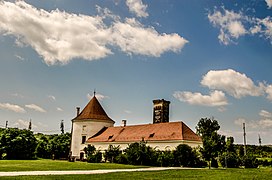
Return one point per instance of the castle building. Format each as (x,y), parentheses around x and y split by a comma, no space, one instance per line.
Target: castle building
(93,126)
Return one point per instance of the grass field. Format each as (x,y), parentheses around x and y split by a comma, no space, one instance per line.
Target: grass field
(264,173)
(43,165)
(47,164)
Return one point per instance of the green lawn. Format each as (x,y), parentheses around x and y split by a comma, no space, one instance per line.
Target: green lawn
(47,164)
(263,173)
(43,165)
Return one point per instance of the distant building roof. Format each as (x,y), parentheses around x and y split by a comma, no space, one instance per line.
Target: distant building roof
(148,132)
(93,110)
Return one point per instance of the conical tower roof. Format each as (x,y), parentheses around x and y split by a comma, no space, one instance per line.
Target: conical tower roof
(93,110)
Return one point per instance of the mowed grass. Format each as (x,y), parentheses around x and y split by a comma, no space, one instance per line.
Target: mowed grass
(57,165)
(233,174)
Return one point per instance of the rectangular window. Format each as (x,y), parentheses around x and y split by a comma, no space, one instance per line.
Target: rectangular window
(83,139)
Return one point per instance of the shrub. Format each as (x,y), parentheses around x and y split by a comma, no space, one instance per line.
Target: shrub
(232,160)
(249,161)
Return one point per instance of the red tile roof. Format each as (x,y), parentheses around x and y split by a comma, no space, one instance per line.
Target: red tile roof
(148,132)
(93,110)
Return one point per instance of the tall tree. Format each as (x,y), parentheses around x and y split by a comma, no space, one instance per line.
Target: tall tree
(212,142)
(62,127)
(29,125)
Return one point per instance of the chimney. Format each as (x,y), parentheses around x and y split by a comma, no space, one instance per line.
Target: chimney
(124,123)
(78,110)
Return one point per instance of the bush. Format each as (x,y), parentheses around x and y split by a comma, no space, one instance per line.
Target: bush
(165,158)
(214,163)
(122,159)
(185,156)
(112,153)
(249,161)
(232,160)
(93,156)
(140,154)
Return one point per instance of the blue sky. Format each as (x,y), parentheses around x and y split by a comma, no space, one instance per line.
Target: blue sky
(209,58)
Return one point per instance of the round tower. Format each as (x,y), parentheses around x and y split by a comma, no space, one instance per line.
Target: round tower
(87,123)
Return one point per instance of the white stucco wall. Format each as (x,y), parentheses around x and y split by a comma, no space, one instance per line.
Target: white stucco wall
(86,128)
(158,145)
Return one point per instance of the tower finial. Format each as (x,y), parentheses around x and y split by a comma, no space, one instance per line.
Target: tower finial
(94,93)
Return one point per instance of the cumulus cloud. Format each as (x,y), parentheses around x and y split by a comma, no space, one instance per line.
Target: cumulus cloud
(35,108)
(233,25)
(59,37)
(12,107)
(133,38)
(137,7)
(229,23)
(269,3)
(59,109)
(265,121)
(269,92)
(216,98)
(266,114)
(100,97)
(234,83)
(24,124)
(53,98)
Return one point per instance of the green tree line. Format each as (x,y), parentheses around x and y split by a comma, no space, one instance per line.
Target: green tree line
(23,144)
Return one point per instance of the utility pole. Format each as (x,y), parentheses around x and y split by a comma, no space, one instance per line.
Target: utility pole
(260,140)
(244,128)
(6,124)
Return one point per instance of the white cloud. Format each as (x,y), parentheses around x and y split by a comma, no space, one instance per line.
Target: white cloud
(234,83)
(12,107)
(229,23)
(268,90)
(19,57)
(17,95)
(269,3)
(35,108)
(137,7)
(266,25)
(216,98)
(23,124)
(265,123)
(266,114)
(236,29)
(59,109)
(53,98)
(58,37)
(232,25)
(133,38)
(100,97)
(128,111)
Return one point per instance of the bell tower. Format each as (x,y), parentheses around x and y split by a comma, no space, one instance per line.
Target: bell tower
(160,111)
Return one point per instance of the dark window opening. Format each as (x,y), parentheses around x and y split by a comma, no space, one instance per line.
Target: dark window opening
(83,140)
(152,135)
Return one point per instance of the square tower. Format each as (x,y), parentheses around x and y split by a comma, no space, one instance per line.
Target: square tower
(160,111)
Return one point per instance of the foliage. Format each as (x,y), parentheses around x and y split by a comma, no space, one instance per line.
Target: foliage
(249,161)
(140,154)
(17,144)
(42,149)
(213,143)
(166,158)
(59,145)
(93,156)
(185,156)
(112,153)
